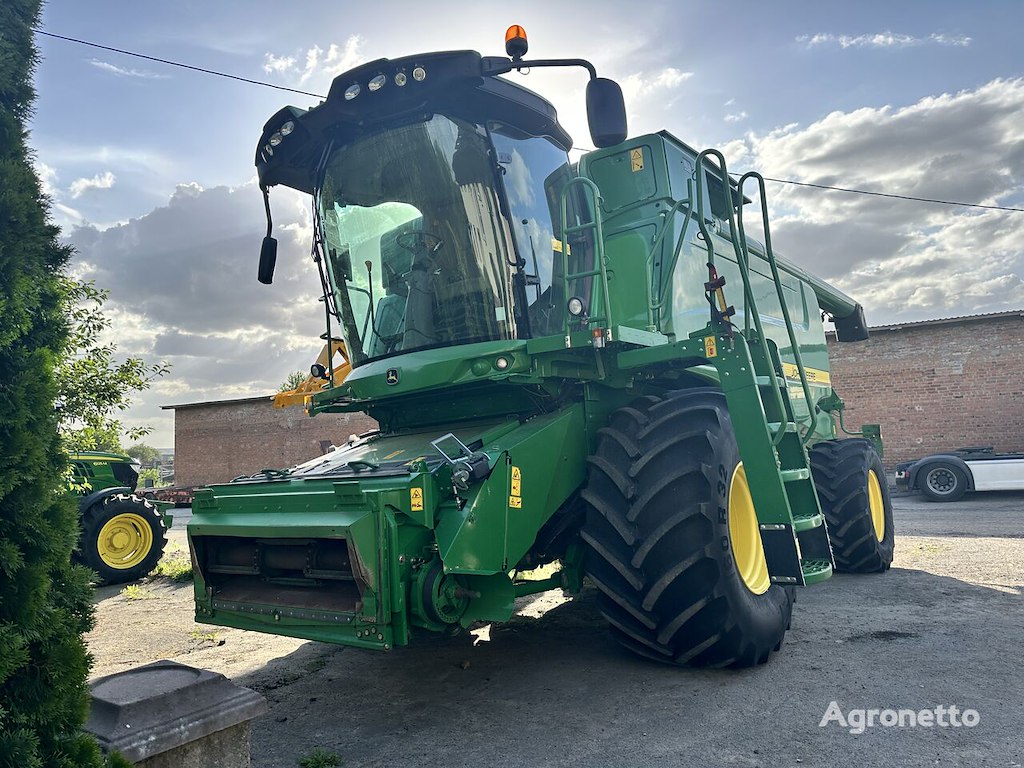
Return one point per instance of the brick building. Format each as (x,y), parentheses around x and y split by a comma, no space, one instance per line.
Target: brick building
(938,384)
(222,439)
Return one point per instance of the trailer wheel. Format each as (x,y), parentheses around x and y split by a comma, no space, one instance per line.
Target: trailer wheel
(941,481)
(123,538)
(854,497)
(674,546)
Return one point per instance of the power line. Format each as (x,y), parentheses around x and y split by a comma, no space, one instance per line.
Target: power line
(897,197)
(178,64)
(321,96)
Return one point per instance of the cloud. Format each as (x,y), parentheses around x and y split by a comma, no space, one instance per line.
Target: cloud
(735,117)
(103,180)
(315,62)
(272,63)
(642,84)
(144,74)
(47,177)
(183,288)
(882,40)
(905,260)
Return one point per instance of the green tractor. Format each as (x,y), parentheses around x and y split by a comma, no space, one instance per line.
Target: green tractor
(587,367)
(123,534)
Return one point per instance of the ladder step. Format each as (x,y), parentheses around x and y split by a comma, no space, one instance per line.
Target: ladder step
(815,570)
(782,426)
(792,475)
(770,381)
(807,522)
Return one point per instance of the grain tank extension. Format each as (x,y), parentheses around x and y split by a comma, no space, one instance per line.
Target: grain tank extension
(587,366)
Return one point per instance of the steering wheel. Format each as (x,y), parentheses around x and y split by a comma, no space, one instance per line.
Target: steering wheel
(414,239)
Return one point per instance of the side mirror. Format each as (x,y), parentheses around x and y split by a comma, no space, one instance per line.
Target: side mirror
(606,112)
(268,260)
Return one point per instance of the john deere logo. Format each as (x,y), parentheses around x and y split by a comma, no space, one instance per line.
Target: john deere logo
(391,377)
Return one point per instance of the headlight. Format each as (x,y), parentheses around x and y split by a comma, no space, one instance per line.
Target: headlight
(377,83)
(352,91)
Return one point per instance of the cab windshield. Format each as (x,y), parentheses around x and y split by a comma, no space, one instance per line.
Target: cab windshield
(418,252)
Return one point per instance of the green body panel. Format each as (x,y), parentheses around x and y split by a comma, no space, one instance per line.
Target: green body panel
(490,535)
(385,537)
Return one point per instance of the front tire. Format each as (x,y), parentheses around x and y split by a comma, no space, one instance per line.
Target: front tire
(663,494)
(854,497)
(123,538)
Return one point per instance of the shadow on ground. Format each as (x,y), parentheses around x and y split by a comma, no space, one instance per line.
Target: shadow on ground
(557,690)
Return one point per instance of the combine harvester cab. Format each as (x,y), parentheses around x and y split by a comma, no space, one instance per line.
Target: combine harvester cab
(584,367)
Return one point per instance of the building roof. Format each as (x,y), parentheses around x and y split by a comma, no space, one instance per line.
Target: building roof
(230,401)
(958,320)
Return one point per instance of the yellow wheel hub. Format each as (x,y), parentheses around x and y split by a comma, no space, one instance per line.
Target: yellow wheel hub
(124,541)
(876,504)
(745,535)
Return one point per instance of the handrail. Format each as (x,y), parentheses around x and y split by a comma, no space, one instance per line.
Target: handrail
(769,255)
(652,305)
(597,225)
(741,261)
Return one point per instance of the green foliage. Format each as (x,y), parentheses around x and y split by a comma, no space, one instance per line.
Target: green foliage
(147,455)
(320,758)
(95,387)
(45,602)
(137,592)
(150,474)
(175,565)
(116,760)
(294,379)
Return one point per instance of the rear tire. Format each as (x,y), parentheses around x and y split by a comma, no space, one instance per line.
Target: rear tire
(942,481)
(854,497)
(657,529)
(123,538)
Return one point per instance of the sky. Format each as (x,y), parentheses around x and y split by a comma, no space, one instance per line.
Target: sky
(150,173)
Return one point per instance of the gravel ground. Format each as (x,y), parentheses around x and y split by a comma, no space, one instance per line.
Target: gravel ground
(550,687)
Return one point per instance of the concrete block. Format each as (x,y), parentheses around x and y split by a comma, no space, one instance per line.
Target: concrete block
(169,714)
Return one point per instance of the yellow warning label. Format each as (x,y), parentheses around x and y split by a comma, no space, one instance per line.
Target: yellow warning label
(515,502)
(814,375)
(416,499)
(517,488)
(636,159)
(710,347)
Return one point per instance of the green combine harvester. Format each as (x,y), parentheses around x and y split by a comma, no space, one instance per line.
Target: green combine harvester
(585,366)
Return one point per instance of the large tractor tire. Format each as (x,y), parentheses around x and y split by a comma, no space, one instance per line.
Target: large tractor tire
(674,545)
(123,538)
(855,500)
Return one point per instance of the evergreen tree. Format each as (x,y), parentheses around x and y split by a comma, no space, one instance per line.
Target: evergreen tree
(45,602)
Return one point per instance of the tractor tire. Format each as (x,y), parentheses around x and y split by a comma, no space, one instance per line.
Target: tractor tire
(854,497)
(123,538)
(659,499)
(942,481)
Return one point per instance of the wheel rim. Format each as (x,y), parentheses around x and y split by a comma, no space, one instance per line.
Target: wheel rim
(745,535)
(941,481)
(876,504)
(124,541)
